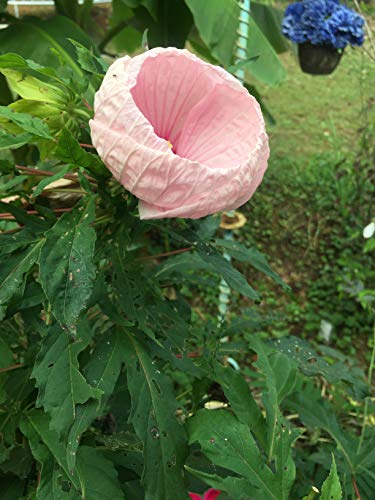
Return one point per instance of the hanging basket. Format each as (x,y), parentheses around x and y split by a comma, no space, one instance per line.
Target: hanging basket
(318,59)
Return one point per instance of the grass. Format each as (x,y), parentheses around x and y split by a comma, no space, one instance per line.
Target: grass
(309,212)
(321,113)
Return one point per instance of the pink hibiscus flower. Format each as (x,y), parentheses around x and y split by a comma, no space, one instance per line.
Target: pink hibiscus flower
(182,135)
(209,495)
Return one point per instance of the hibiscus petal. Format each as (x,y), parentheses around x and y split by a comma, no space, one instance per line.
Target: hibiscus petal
(220,147)
(211,494)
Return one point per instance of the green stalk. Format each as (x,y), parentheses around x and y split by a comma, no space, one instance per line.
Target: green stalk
(369,380)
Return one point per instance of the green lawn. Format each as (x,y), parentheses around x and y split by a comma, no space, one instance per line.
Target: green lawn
(320,113)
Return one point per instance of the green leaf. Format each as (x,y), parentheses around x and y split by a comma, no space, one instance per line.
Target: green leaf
(57,360)
(241,401)
(89,61)
(26,122)
(94,477)
(235,487)
(98,476)
(35,426)
(35,224)
(251,256)
(6,356)
(9,141)
(280,377)
(221,266)
(228,443)
(33,38)
(69,151)
(269,20)
(267,68)
(101,372)
(45,182)
(153,415)
(66,264)
(14,268)
(150,5)
(217,23)
(331,489)
(28,79)
(311,364)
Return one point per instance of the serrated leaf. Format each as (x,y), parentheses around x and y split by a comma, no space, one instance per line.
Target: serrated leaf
(101,372)
(228,443)
(27,123)
(280,377)
(67,270)
(13,270)
(9,141)
(89,61)
(58,360)
(6,356)
(331,488)
(98,476)
(94,477)
(230,275)
(45,182)
(311,364)
(251,256)
(35,426)
(10,242)
(69,151)
(241,400)
(153,416)
(235,487)
(35,224)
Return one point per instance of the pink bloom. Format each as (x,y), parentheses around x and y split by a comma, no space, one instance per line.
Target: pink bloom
(183,136)
(209,495)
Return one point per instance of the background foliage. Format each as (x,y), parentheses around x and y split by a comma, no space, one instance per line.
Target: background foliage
(115,381)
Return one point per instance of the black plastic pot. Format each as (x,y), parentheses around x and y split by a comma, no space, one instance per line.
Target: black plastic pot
(318,59)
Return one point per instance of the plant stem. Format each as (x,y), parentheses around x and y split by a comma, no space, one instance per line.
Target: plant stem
(9,216)
(369,380)
(354,483)
(12,367)
(166,254)
(111,34)
(36,171)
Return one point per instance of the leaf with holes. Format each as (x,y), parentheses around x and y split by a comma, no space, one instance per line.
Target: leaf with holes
(154,418)
(311,364)
(280,377)
(14,268)
(94,477)
(331,489)
(228,443)
(67,269)
(58,361)
(101,372)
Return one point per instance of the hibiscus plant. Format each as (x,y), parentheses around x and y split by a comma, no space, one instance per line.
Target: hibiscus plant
(112,384)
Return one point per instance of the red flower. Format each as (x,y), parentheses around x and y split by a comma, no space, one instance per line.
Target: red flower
(209,495)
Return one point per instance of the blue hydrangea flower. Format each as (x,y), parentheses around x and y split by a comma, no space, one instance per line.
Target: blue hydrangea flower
(323,22)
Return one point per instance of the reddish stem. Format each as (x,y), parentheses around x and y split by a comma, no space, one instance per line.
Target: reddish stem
(11,367)
(9,216)
(86,104)
(194,354)
(83,145)
(357,493)
(166,254)
(46,173)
